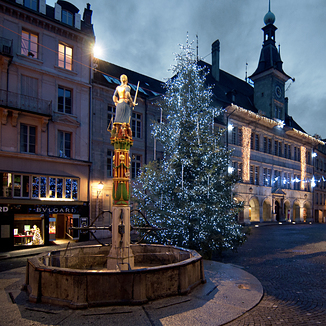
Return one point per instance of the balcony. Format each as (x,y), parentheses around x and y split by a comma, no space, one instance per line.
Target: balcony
(25,103)
(5,46)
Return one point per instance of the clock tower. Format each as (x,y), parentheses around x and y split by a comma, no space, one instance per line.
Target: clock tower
(269,78)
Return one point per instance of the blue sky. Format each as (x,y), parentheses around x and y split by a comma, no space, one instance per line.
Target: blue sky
(143,35)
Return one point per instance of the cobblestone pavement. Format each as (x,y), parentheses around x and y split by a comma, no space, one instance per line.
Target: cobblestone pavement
(290,262)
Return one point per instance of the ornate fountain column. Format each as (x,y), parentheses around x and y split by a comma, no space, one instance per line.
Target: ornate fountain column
(121,256)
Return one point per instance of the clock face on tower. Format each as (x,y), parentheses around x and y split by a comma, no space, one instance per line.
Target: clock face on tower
(278,91)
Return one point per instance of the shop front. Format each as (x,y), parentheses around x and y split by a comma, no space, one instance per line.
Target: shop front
(25,225)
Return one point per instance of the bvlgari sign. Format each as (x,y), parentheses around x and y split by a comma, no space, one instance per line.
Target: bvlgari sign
(55,210)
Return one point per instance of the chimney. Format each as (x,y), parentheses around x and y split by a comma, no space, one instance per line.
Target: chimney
(216,60)
(87,16)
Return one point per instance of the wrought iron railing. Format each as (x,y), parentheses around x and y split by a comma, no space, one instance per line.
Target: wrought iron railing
(25,102)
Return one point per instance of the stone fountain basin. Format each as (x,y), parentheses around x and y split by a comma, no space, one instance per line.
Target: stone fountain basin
(78,278)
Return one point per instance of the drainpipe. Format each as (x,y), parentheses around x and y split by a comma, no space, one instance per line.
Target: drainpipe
(9,63)
(89,130)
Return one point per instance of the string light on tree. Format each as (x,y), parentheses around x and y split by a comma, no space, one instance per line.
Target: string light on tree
(188,193)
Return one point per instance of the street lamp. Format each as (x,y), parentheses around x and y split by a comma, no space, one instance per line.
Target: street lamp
(100,188)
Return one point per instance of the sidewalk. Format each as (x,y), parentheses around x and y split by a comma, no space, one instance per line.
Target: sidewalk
(229,292)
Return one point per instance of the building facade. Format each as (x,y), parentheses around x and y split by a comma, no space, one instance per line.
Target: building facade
(45,109)
(319,182)
(274,158)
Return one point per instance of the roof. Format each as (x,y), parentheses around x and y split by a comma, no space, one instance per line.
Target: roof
(230,89)
(108,74)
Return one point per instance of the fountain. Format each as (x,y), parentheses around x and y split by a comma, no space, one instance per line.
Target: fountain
(123,273)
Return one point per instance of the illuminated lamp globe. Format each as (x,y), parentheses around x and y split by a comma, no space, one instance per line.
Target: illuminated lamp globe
(100,186)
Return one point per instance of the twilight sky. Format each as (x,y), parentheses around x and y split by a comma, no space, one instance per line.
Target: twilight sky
(143,35)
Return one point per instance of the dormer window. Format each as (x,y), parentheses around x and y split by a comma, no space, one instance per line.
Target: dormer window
(31,4)
(67,17)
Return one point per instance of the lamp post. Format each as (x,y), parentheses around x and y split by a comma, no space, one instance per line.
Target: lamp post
(99,191)
(313,184)
(100,188)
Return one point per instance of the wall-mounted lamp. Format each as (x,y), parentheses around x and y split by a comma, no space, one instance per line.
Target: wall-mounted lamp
(100,188)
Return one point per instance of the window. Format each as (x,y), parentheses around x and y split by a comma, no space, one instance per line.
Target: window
(256,180)
(289,152)
(29,44)
(240,171)
(64,141)
(279,149)
(136,125)
(31,4)
(240,136)
(28,229)
(39,187)
(256,142)
(64,100)
(287,181)
(235,166)
(276,148)
(65,56)
(277,179)
(5,184)
(109,164)
(29,88)
(135,165)
(254,175)
(111,115)
(56,187)
(267,145)
(251,174)
(67,17)
(234,140)
(27,139)
(21,185)
(297,156)
(71,188)
(296,182)
(267,177)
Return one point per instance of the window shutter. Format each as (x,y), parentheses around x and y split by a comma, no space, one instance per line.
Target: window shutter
(42,7)
(57,12)
(77,21)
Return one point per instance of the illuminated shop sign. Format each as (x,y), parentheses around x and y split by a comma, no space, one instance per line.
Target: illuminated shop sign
(3,209)
(55,210)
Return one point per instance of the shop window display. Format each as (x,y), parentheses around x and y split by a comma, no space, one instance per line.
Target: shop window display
(28,229)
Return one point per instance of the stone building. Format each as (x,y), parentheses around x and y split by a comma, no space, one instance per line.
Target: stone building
(273,155)
(45,107)
(319,182)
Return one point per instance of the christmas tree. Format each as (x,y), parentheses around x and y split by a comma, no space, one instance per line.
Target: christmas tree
(188,194)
